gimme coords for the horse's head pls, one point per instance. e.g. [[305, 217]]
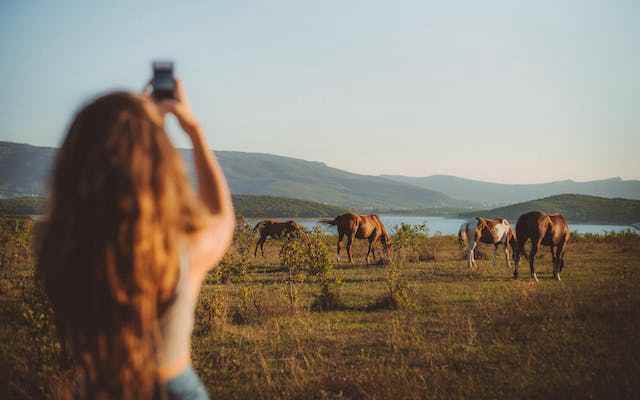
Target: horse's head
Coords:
[[513, 240], [295, 230], [481, 227]]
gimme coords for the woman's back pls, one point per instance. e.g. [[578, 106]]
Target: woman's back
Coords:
[[128, 242]]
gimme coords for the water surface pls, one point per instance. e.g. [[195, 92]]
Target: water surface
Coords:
[[443, 225]]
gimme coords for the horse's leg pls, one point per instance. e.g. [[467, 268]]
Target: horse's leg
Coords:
[[516, 257], [495, 254], [506, 255], [340, 237], [535, 246], [258, 243], [349, 243], [366, 259], [560, 256], [373, 252], [262, 246], [471, 260], [554, 261]]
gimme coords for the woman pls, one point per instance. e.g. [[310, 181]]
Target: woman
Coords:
[[127, 244]]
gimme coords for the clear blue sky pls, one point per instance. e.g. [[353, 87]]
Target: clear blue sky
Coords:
[[506, 91]]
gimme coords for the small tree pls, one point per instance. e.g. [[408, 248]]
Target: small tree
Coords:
[[407, 239], [235, 263], [310, 257]]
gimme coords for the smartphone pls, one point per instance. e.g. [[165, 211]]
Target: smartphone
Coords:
[[163, 82]]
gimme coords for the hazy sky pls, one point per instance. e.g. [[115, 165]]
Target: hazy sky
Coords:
[[506, 91]]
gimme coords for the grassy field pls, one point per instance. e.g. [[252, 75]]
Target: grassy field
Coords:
[[450, 333]]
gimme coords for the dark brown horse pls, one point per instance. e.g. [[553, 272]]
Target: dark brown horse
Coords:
[[274, 229], [360, 227], [543, 229]]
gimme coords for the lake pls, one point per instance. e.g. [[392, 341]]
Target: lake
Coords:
[[442, 225]]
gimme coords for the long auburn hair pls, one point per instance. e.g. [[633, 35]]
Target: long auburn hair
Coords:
[[108, 257]]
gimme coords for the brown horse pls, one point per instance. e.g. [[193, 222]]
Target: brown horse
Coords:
[[274, 229], [543, 229], [360, 227]]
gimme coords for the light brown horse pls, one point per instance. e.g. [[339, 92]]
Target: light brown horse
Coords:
[[543, 229], [274, 229], [360, 227]]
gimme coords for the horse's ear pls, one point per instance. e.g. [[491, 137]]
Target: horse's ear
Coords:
[[479, 219]]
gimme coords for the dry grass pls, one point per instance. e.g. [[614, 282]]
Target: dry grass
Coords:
[[466, 334]]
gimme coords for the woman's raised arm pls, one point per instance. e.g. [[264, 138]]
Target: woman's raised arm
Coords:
[[206, 247]]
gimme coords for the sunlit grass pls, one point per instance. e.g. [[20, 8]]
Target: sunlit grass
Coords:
[[465, 334]]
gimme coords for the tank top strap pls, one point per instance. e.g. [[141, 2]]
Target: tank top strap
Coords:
[[183, 266]]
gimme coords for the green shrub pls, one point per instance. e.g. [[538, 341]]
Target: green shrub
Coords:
[[249, 308], [411, 243], [397, 293], [329, 298], [234, 264], [310, 257], [15, 241]]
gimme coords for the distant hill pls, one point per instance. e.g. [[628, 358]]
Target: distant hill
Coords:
[[424, 212], [245, 205], [22, 206], [494, 194], [24, 170], [576, 208], [268, 206]]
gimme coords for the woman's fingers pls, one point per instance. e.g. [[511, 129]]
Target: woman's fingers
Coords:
[[181, 94], [166, 106], [178, 107], [146, 90]]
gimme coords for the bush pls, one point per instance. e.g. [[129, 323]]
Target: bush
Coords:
[[311, 257], [249, 308], [329, 298], [235, 263], [212, 312], [15, 241], [411, 243], [397, 295], [625, 236]]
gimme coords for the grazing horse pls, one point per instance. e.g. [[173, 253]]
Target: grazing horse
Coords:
[[489, 231], [360, 227], [275, 229], [543, 229]]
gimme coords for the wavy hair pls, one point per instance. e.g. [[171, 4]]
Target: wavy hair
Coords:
[[120, 205]]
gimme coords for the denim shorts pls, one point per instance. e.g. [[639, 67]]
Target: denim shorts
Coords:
[[186, 386]]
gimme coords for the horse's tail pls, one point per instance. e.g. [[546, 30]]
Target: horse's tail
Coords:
[[329, 221], [463, 235]]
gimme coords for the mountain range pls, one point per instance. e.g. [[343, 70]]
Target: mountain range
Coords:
[[24, 170], [499, 194]]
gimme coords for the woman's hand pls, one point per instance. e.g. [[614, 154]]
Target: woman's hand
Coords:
[[181, 108]]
